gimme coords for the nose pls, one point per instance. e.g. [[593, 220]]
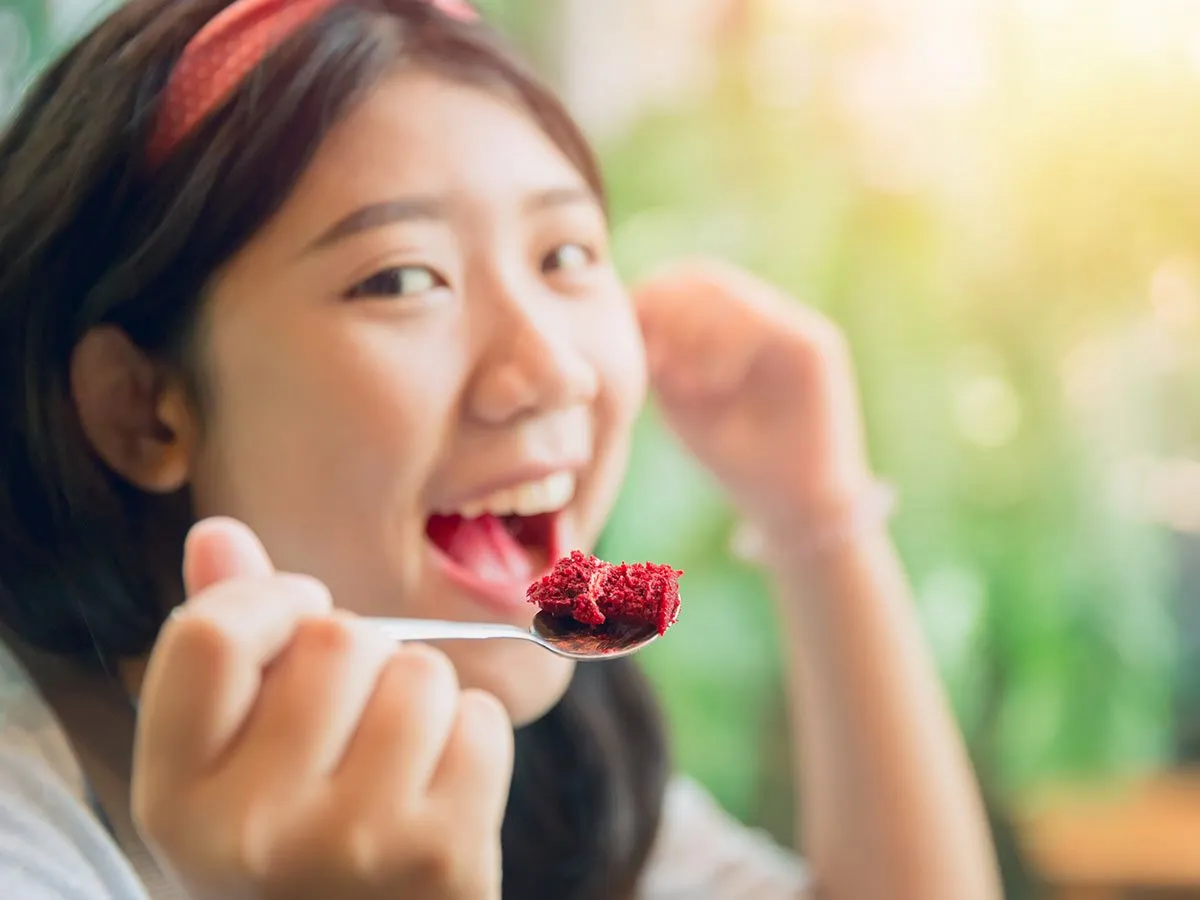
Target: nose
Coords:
[[533, 364]]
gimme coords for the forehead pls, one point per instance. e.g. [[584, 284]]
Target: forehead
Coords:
[[420, 134]]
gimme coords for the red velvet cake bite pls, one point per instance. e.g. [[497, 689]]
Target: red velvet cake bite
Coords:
[[595, 593]]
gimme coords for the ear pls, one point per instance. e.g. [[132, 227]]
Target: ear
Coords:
[[135, 415]]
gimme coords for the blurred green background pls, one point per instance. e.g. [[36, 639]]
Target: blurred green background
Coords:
[[999, 201]]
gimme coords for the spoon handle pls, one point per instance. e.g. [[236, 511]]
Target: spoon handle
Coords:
[[433, 630]]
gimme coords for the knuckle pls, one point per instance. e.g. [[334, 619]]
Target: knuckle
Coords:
[[361, 849], [823, 332], [201, 637], [484, 731], [453, 866], [435, 866], [327, 635], [833, 340], [825, 341], [425, 668], [484, 711], [225, 605], [302, 594], [260, 841]]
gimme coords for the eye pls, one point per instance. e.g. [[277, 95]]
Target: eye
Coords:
[[398, 281], [568, 258]]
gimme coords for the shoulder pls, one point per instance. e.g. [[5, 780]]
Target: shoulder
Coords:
[[51, 845], [703, 852], [29, 729]]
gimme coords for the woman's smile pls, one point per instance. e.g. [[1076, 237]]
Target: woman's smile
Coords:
[[495, 542]]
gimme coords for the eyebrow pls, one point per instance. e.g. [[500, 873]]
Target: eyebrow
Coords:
[[376, 215], [559, 196]]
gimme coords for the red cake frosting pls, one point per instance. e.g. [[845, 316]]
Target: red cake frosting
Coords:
[[593, 592]]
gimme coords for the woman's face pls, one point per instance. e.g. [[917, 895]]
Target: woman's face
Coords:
[[424, 372]]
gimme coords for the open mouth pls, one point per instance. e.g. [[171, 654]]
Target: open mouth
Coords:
[[496, 549], [494, 546]]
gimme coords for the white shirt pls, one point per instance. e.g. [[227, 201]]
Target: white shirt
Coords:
[[52, 847]]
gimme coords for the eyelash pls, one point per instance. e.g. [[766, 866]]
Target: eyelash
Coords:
[[377, 285], [389, 282]]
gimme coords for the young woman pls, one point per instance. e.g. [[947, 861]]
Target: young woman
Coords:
[[326, 284]]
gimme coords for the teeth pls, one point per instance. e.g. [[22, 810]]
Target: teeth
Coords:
[[530, 499]]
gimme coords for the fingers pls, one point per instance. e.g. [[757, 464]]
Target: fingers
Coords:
[[404, 727], [206, 668], [666, 297], [311, 699], [278, 739], [676, 281], [469, 793], [220, 549], [707, 323], [670, 297], [473, 777], [700, 334]]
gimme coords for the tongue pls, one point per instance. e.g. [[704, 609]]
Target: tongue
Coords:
[[483, 546]]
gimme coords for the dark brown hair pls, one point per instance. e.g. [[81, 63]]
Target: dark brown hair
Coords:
[[91, 235]]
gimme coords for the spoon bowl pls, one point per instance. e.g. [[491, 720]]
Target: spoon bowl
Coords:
[[560, 636]]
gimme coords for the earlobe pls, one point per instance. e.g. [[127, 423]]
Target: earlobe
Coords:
[[133, 414]]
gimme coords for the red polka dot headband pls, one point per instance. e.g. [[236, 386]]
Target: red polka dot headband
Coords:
[[226, 50]]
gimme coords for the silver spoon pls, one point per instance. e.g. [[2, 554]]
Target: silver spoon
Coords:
[[558, 635]]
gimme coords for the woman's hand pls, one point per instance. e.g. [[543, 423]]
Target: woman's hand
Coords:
[[760, 388], [288, 751]]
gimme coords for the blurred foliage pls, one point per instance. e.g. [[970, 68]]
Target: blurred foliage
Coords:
[[23, 37], [1016, 271], [1004, 215]]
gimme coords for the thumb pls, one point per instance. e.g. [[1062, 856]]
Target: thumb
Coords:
[[219, 549]]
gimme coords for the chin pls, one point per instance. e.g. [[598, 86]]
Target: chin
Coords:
[[529, 681]]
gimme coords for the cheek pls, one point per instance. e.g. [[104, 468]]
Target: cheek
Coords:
[[321, 438]]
